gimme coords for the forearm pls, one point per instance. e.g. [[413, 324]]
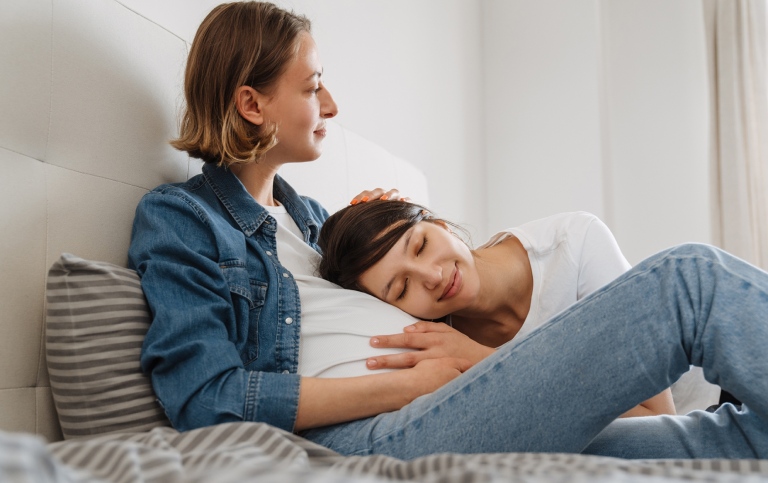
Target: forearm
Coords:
[[329, 401]]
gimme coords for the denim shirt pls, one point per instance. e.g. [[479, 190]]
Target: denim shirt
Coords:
[[223, 344]]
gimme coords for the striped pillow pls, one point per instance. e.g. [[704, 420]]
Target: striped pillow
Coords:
[[96, 321]]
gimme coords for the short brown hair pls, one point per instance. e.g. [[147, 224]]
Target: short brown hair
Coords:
[[241, 43], [355, 238]]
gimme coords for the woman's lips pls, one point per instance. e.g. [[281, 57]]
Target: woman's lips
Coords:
[[453, 286], [320, 132]]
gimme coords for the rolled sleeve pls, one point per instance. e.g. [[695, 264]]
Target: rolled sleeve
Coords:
[[273, 398]]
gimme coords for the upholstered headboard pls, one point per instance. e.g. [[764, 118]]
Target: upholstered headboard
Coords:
[[89, 96]]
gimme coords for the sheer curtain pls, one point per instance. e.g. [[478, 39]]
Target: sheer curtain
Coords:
[[736, 49]]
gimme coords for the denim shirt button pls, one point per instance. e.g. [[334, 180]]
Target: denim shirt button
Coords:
[[286, 371], [268, 253], [285, 274], [288, 320]]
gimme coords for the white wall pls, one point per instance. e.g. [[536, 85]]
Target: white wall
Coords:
[[599, 105], [657, 123], [542, 109]]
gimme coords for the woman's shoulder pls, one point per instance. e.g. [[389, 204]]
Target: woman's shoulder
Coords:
[[550, 231], [181, 189], [572, 229], [561, 226], [170, 200]]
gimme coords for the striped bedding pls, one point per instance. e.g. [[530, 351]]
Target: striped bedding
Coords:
[[96, 320], [240, 452]]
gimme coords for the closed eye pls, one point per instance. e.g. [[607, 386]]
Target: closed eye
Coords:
[[405, 290], [423, 246]]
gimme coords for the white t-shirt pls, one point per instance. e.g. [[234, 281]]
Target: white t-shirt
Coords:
[[572, 255], [336, 324]]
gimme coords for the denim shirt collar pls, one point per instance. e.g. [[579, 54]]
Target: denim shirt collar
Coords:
[[249, 214], [285, 194]]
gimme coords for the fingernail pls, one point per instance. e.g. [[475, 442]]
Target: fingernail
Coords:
[[384, 197], [410, 328], [364, 198], [371, 363], [375, 341], [353, 202]]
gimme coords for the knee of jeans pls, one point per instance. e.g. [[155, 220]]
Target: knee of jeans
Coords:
[[700, 250]]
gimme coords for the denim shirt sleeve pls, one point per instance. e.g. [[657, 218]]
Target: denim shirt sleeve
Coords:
[[189, 350]]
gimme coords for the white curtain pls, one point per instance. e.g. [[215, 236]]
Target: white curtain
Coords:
[[736, 41]]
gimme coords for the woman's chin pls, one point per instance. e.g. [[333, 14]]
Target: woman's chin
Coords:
[[304, 159], [315, 154]]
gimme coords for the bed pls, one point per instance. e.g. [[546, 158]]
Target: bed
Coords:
[[90, 95]]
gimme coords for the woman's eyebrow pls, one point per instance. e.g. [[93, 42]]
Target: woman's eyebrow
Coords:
[[318, 74], [385, 292]]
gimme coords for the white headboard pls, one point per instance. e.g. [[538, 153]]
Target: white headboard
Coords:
[[89, 96]]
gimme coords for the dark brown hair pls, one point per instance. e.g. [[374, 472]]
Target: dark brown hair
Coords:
[[356, 237], [237, 44]]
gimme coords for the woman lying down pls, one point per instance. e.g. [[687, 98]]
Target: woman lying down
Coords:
[[505, 288], [635, 336]]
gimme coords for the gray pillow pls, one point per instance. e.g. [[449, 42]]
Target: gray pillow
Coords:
[[95, 324]]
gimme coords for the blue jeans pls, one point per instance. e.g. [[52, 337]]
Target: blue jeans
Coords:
[[561, 388]]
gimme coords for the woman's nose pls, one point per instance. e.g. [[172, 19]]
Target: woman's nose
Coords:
[[432, 276], [328, 108]]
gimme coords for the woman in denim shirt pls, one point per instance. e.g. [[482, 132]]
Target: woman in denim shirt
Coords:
[[224, 341]]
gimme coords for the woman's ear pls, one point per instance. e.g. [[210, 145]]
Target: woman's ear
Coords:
[[250, 103]]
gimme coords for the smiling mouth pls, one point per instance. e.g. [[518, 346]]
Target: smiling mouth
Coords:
[[452, 287]]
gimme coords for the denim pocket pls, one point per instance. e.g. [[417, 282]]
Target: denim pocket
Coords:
[[248, 297], [252, 291]]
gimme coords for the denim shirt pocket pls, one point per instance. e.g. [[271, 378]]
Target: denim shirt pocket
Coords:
[[248, 297]]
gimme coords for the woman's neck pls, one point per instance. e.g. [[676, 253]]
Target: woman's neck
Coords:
[[258, 179], [506, 288]]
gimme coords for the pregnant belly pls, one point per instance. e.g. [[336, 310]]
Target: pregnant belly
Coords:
[[336, 328]]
